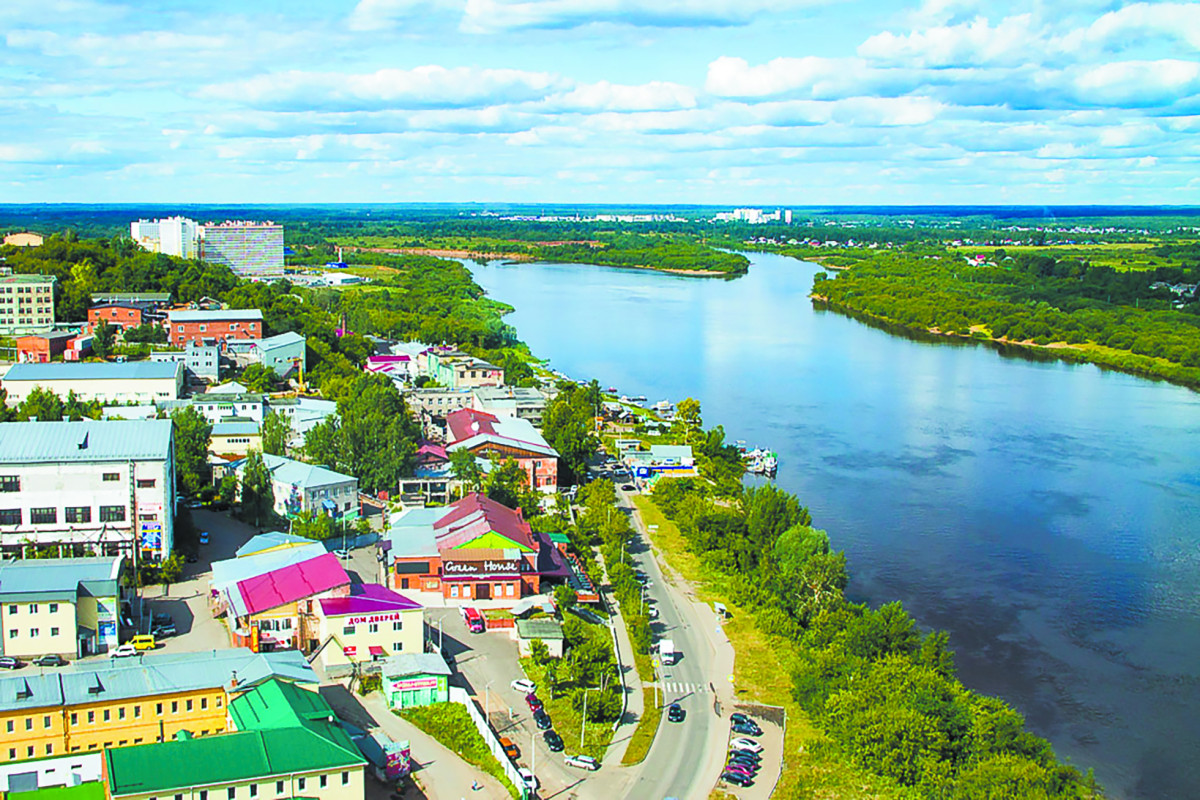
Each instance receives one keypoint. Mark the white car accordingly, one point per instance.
(583, 762)
(523, 685)
(528, 778)
(742, 743)
(651, 612)
(342, 554)
(123, 651)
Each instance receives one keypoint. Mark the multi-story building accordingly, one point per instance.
(97, 705)
(125, 314)
(216, 406)
(511, 401)
(276, 609)
(98, 487)
(26, 304)
(68, 606)
(372, 623)
(219, 325)
(251, 249)
(300, 488)
(200, 361)
(110, 383)
(454, 368)
(485, 435)
(282, 353)
(173, 236)
(234, 438)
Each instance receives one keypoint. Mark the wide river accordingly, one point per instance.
(1046, 514)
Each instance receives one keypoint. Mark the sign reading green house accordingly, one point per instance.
(415, 679)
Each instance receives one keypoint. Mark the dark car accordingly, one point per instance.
(586, 615)
(542, 720)
(737, 779)
(534, 702)
(553, 741)
(746, 729)
(738, 718)
(743, 762)
(675, 713)
(8, 662)
(629, 487)
(50, 661)
(745, 754)
(164, 631)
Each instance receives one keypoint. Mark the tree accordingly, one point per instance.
(258, 378)
(192, 432)
(227, 492)
(565, 597)
(276, 433)
(258, 496)
(42, 405)
(508, 484)
(313, 524)
(171, 569)
(539, 652)
(465, 468)
(567, 426)
(103, 337)
(687, 414)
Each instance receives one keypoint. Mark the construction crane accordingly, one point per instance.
(299, 362)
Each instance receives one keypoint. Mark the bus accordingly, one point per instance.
(474, 620)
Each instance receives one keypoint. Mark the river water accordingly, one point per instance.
(1046, 514)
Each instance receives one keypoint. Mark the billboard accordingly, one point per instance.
(396, 760)
(488, 566)
(151, 535)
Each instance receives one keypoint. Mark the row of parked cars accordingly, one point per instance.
(742, 764)
(544, 724)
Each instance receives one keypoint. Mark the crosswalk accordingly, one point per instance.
(680, 687)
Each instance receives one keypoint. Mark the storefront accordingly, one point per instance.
(415, 679)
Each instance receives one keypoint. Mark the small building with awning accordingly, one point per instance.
(415, 679)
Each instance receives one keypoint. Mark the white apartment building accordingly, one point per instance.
(104, 487)
(251, 249)
(26, 304)
(173, 236)
(139, 383)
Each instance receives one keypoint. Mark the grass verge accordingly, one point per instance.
(643, 734)
(451, 725)
(567, 719)
(812, 768)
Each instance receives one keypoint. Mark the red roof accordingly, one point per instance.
(468, 422)
(292, 583)
(477, 514)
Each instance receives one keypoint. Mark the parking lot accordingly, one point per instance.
(770, 719)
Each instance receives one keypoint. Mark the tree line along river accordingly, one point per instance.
(1046, 514)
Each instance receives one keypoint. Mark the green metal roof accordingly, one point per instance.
(275, 704)
(560, 538)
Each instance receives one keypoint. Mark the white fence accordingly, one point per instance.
(459, 695)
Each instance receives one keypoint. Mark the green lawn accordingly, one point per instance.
(451, 724)
(647, 727)
(567, 719)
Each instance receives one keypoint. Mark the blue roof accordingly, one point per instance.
(85, 440)
(235, 427)
(230, 571)
(95, 371)
(299, 474)
(57, 575)
(265, 541)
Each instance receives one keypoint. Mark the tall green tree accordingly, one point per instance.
(507, 483)
(568, 427)
(42, 405)
(192, 433)
(465, 468)
(276, 433)
(258, 495)
(258, 378)
(104, 337)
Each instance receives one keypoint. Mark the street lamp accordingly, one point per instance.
(487, 713)
(583, 725)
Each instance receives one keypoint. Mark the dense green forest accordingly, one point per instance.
(1124, 320)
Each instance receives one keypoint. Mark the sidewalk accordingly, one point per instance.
(440, 772)
(634, 703)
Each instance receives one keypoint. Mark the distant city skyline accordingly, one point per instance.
(773, 103)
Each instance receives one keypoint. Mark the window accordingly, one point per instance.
(398, 626)
(77, 514)
(46, 722)
(54, 631)
(254, 790)
(324, 781)
(345, 779)
(158, 709)
(397, 647)
(54, 608)
(43, 516)
(107, 715)
(203, 794)
(112, 513)
(12, 633)
(203, 703)
(174, 706)
(29, 751)
(145, 483)
(91, 716)
(33, 632)
(111, 477)
(12, 609)
(10, 726)
(121, 712)
(33, 608)
(49, 749)
(10, 483)
(232, 792)
(189, 704)
(373, 627)
(137, 712)
(10, 516)
(278, 787)
(12, 754)
(29, 723)
(74, 718)
(300, 783)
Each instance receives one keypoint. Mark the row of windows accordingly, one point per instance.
(49, 516)
(13, 608)
(232, 792)
(106, 714)
(501, 590)
(13, 633)
(372, 627)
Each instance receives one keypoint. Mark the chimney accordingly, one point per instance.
(233, 680)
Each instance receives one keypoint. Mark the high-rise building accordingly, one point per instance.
(251, 249)
(173, 236)
(26, 303)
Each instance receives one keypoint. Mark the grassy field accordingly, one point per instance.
(451, 725)
(1121, 256)
(647, 728)
(812, 767)
(567, 720)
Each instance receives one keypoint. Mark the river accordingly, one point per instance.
(1044, 513)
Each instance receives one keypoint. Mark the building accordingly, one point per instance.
(92, 706)
(66, 777)
(277, 609)
(511, 401)
(234, 437)
(301, 488)
(251, 249)
(98, 487)
(40, 348)
(286, 743)
(303, 414)
(432, 404)
(370, 624)
(126, 314)
(26, 304)
(136, 382)
(24, 239)
(540, 629)
(453, 368)
(216, 406)
(161, 300)
(488, 435)
(173, 236)
(415, 679)
(218, 325)
(282, 353)
(201, 362)
(473, 549)
(676, 460)
(263, 554)
(400, 368)
(67, 606)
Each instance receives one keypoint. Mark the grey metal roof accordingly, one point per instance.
(58, 575)
(30, 691)
(412, 534)
(85, 440)
(281, 340)
(264, 541)
(228, 572)
(299, 474)
(540, 628)
(398, 666)
(95, 371)
(235, 427)
(216, 316)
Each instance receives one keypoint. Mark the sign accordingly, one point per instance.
(411, 684)
(485, 567)
(390, 617)
(152, 535)
(350, 652)
(108, 633)
(397, 763)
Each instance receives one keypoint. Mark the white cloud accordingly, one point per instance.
(605, 96)
(971, 43)
(495, 16)
(1138, 83)
(1126, 26)
(810, 76)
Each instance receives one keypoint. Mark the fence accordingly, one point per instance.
(459, 695)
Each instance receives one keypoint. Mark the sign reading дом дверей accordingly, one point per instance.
(488, 566)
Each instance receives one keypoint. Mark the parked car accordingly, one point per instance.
(742, 743)
(510, 749)
(50, 661)
(738, 718)
(737, 779)
(586, 615)
(534, 702)
(203, 537)
(8, 662)
(583, 762)
(651, 612)
(746, 729)
(342, 554)
(143, 642)
(553, 741)
(163, 631)
(629, 487)
(641, 576)
(542, 720)
(528, 778)
(123, 651)
(675, 713)
(741, 769)
(738, 757)
(524, 686)
(745, 755)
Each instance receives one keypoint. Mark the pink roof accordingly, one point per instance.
(292, 583)
(468, 422)
(436, 451)
(367, 598)
(477, 514)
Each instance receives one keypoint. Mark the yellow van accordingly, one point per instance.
(143, 643)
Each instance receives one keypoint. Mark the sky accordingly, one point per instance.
(768, 102)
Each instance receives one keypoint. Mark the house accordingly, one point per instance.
(510, 401)
(543, 629)
(40, 348)
(221, 324)
(235, 437)
(369, 624)
(108, 383)
(200, 361)
(458, 370)
(67, 606)
(489, 435)
(303, 414)
(269, 552)
(400, 368)
(126, 314)
(278, 609)
(286, 743)
(217, 406)
(415, 679)
(473, 549)
(282, 353)
(301, 488)
(104, 487)
(662, 458)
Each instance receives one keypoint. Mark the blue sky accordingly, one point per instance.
(790, 102)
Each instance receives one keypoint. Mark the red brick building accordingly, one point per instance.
(485, 434)
(202, 326)
(124, 314)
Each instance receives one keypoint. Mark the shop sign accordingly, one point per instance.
(396, 764)
(411, 684)
(485, 567)
(350, 652)
(391, 617)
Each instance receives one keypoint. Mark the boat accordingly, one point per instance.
(611, 390)
(762, 462)
(638, 398)
(663, 405)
